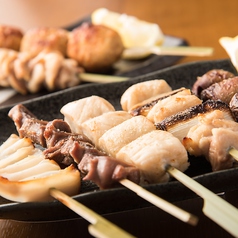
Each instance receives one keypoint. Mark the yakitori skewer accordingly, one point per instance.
(216, 208)
(100, 227)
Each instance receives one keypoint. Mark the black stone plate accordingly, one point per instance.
(117, 199)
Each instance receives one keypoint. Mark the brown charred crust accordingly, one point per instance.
(143, 110)
(192, 112)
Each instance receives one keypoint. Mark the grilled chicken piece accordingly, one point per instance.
(95, 127)
(151, 152)
(140, 92)
(25, 73)
(77, 112)
(223, 139)
(179, 124)
(171, 105)
(209, 78)
(223, 90)
(118, 136)
(205, 138)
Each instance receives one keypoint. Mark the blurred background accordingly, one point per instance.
(201, 23)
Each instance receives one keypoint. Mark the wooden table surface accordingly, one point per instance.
(201, 23)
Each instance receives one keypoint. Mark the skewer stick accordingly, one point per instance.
(161, 203)
(216, 208)
(100, 227)
(142, 52)
(234, 153)
(100, 78)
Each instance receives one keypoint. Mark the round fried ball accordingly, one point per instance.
(94, 47)
(46, 39)
(10, 37)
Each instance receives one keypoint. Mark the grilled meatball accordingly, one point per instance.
(95, 47)
(10, 37)
(46, 39)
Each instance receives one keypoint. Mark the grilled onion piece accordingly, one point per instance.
(26, 176)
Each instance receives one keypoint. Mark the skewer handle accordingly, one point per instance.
(100, 78)
(100, 227)
(161, 203)
(216, 208)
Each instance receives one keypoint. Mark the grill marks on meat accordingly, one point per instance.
(67, 148)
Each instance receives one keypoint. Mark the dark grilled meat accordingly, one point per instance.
(28, 125)
(209, 78)
(223, 90)
(67, 148)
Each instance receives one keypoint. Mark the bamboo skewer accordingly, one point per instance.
(100, 78)
(216, 208)
(161, 203)
(234, 153)
(142, 52)
(99, 227)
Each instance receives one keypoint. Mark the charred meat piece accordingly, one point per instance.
(28, 125)
(223, 90)
(105, 171)
(209, 78)
(57, 130)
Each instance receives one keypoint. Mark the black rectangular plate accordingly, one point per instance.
(117, 199)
